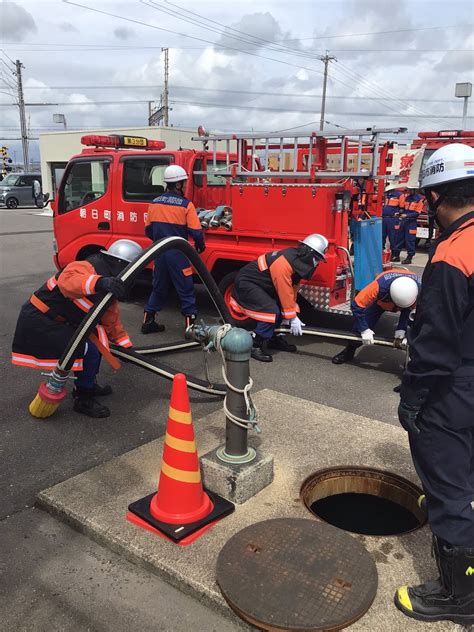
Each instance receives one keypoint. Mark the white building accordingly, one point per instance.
(56, 148)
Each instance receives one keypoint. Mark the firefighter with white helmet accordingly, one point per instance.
(437, 394)
(390, 291)
(48, 320)
(266, 289)
(172, 214)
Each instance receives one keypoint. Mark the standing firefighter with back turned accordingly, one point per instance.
(437, 394)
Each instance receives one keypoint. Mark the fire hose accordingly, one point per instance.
(53, 391)
(334, 333)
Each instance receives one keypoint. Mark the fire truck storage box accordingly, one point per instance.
(367, 235)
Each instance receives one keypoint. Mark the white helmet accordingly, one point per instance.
(448, 164)
(174, 173)
(318, 243)
(124, 249)
(404, 291)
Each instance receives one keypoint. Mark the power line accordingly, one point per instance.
(203, 23)
(97, 47)
(425, 28)
(200, 39)
(245, 92)
(230, 106)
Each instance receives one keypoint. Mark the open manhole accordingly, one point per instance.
(364, 500)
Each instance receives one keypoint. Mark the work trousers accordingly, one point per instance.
(172, 267)
(407, 236)
(91, 364)
(443, 455)
(390, 229)
(266, 330)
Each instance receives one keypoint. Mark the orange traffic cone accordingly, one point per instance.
(181, 510)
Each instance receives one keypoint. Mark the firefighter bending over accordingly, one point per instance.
(391, 291)
(170, 215)
(48, 320)
(266, 291)
(437, 395)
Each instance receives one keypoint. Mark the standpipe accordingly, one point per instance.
(234, 345)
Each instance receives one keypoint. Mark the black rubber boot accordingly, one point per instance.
(448, 598)
(398, 388)
(395, 257)
(279, 343)
(407, 260)
(346, 355)
(97, 391)
(189, 321)
(85, 404)
(150, 326)
(260, 349)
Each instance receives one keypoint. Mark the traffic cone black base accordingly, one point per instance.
(182, 534)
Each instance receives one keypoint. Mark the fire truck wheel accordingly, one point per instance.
(225, 286)
(12, 203)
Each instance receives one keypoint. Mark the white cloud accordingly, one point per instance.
(16, 22)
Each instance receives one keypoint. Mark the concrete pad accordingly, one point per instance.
(237, 483)
(303, 437)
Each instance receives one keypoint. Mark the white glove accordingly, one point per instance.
(296, 326)
(367, 337)
(399, 340)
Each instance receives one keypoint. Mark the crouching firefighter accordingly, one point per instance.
(265, 290)
(391, 291)
(437, 395)
(48, 320)
(172, 214)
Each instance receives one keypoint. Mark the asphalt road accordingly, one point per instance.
(47, 566)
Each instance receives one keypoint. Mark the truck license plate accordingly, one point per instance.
(422, 232)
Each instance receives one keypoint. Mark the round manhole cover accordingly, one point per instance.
(296, 574)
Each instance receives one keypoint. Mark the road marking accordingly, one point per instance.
(26, 232)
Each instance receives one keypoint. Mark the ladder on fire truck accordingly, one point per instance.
(276, 143)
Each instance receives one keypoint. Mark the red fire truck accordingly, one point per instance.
(105, 192)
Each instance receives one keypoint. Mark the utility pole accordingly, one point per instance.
(326, 59)
(165, 90)
(21, 105)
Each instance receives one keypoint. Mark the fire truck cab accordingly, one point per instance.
(105, 192)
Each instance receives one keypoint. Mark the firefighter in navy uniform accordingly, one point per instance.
(171, 214)
(52, 314)
(437, 395)
(390, 221)
(390, 291)
(411, 206)
(266, 291)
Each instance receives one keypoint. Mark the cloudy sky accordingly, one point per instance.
(250, 65)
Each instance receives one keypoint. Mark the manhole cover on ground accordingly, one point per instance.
(296, 574)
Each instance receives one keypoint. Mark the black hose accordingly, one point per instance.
(127, 275)
(166, 371)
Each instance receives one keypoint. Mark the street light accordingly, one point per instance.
(60, 118)
(464, 90)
